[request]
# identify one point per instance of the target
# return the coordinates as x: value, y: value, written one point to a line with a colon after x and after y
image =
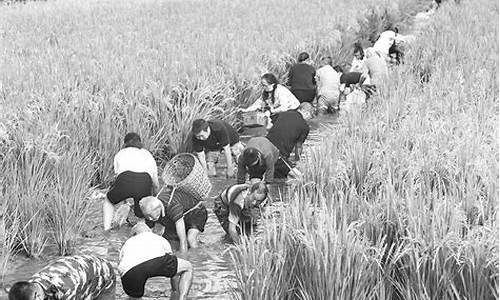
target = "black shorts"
x: 134, y: 280
x: 195, y: 219
x: 304, y: 95
x: 131, y: 185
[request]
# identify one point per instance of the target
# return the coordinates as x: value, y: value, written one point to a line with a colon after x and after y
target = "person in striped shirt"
x: 239, y: 206
x: 85, y: 277
x: 182, y: 215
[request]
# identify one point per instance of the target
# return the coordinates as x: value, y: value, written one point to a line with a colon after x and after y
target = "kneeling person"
x: 210, y: 138
x: 68, y: 278
x: 147, y: 255
x: 182, y: 215
x: 238, y: 207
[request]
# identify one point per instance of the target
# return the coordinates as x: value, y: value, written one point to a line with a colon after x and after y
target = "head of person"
x: 257, y: 193
x: 358, y: 52
x: 338, y: 69
x: 139, y: 228
x: 269, y: 82
x: 390, y: 27
x: 251, y: 157
x: 25, y: 290
x: 200, y: 129
x: 303, y: 56
x: 327, y: 60
x: 151, y: 208
x: 132, y: 139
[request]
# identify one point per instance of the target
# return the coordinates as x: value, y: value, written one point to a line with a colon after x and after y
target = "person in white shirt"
x: 275, y: 98
x: 328, y: 84
x: 376, y: 67
x: 386, y: 40
x: 147, y: 255
x: 136, y: 177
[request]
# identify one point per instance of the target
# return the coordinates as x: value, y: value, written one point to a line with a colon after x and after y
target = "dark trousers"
x: 304, y: 95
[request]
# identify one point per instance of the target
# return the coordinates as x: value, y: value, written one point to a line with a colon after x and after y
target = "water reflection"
x: 213, y: 272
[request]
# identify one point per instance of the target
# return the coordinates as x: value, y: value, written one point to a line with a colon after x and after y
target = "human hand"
x: 230, y: 172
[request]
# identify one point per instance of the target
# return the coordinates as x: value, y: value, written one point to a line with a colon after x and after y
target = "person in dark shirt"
x: 288, y: 133
x: 182, y: 215
x: 210, y: 138
x: 301, y: 79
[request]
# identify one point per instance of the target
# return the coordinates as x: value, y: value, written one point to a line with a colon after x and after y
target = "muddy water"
x: 213, y: 271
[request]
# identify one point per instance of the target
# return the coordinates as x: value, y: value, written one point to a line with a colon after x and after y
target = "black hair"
x: 338, y: 69
x: 250, y: 156
x: 132, y: 139
x: 22, y: 290
x: 303, y: 56
x: 270, y: 79
x: 199, y: 125
x: 261, y: 188
x: 359, y: 49
x: 328, y: 60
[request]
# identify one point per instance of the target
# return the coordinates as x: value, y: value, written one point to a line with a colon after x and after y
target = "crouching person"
x: 147, y: 255
x: 238, y: 208
x: 70, y: 277
x: 136, y: 177
x: 182, y: 215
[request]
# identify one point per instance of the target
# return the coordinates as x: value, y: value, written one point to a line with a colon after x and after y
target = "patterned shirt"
x: 80, y: 277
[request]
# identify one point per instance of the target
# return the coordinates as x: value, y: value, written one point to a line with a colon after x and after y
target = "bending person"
x: 136, y: 177
x: 182, y: 215
x: 212, y: 137
x: 70, y: 277
x: 275, y: 98
x: 146, y: 255
x: 257, y: 160
x: 238, y: 208
x: 289, y: 132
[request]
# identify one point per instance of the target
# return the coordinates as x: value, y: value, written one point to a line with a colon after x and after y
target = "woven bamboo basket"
x: 254, y: 118
x: 184, y: 171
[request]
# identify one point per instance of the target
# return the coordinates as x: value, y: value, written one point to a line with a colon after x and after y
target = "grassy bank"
x: 77, y: 75
x: 402, y: 201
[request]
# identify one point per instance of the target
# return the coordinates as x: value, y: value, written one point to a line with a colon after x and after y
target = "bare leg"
x: 108, y: 211
x: 174, y: 283
x: 192, y: 237
x: 185, y: 279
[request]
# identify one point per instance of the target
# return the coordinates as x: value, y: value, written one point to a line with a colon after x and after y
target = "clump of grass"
x: 69, y: 204
x: 406, y: 187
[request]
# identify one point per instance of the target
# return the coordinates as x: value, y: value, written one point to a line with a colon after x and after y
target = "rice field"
x: 399, y: 203
x: 405, y: 205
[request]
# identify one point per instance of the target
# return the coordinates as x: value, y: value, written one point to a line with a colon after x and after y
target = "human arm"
x: 229, y: 160
x: 242, y: 172
x: 270, y: 159
x: 298, y: 150
x: 202, y: 159
x: 180, y: 228
x: 233, y: 233
x: 259, y: 103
